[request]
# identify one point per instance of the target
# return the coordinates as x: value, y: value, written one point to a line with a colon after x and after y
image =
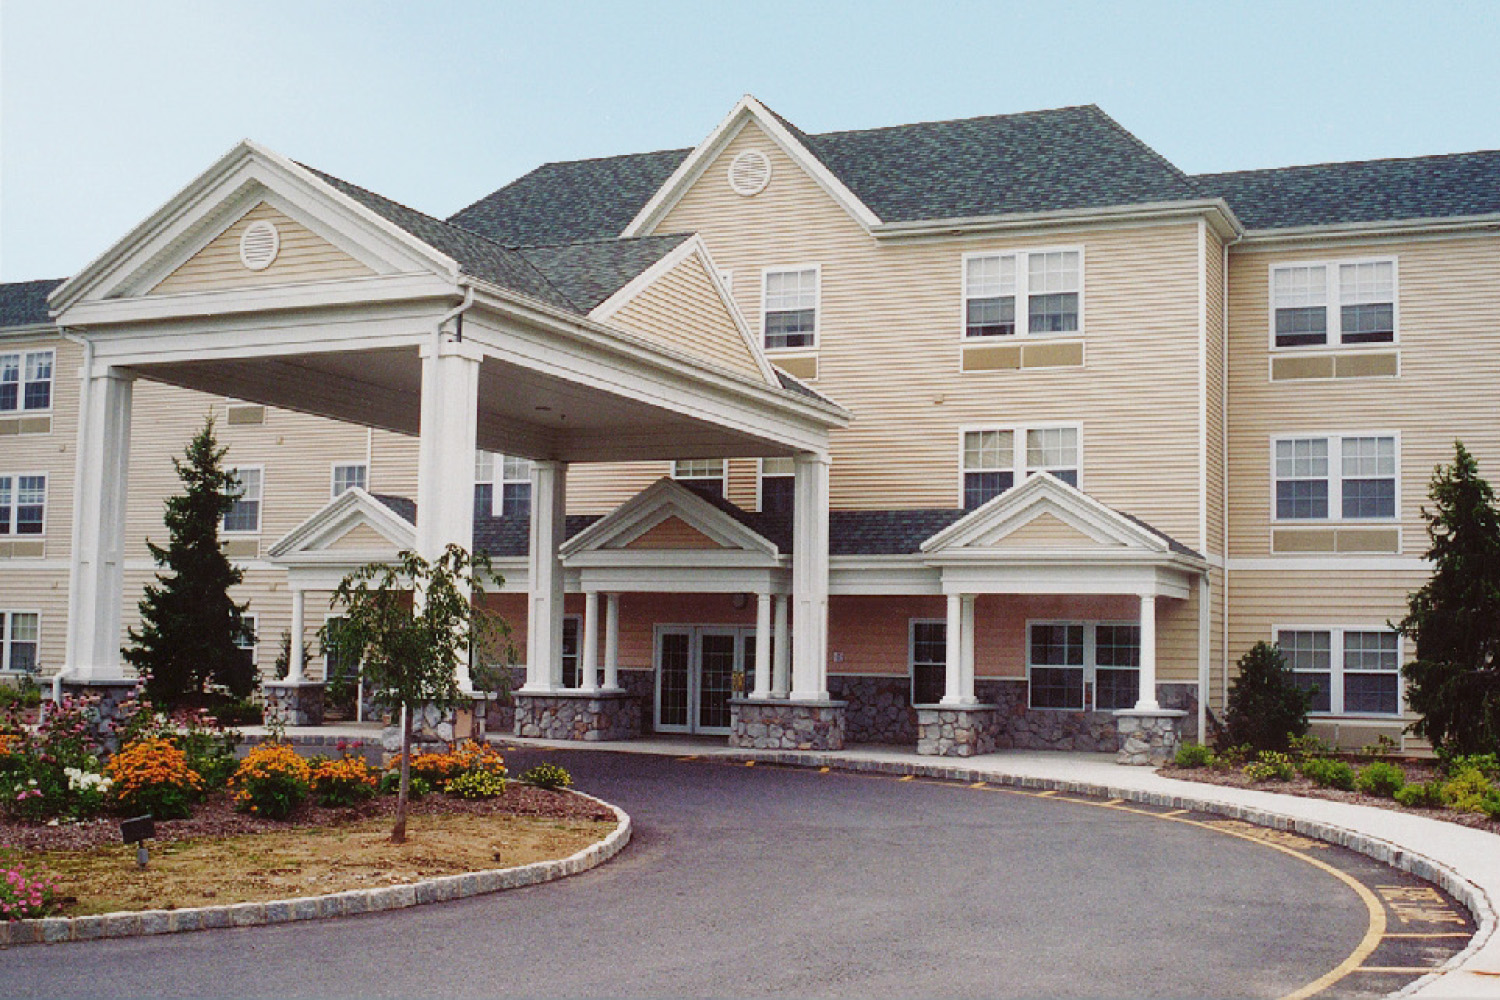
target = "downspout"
x: 83, y: 430
x: 1224, y: 450
x: 455, y: 313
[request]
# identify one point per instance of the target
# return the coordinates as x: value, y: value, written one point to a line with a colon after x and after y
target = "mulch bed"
x: 1416, y: 772
x: 216, y: 817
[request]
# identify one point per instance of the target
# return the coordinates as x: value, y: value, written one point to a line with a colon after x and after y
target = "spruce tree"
x: 1454, y: 620
x: 189, y: 623
x: 1266, y: 706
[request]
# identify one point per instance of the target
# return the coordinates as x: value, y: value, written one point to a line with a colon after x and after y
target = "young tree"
x: 189, y: 624
x: 1266, y: 707
x: 1454, y: 620
x: 411, y: 649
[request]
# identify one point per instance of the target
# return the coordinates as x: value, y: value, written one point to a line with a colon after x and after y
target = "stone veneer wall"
x: 640, y: 683
x: 587, y: 718
x: 292, y: 704
x: 879, y: 709
x: 956, y: 732
x: 1184, y: 698
x: 786, y: 725
x: 1025, y: 728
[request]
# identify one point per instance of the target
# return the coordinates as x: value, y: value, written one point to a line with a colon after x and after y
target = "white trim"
x: 1019, y: 463
x: 21, y: 409
x: 1438, y: 226
x: 1215, y: 210
x: 1202, y: 387
x: 14, y: 507
x: 1333, y: 563
x: 722, y: 478
x: 1334, y: 353
x: 661, y: 500
x: 260, y: 502
x: 817, y: 337
x: 333, y: 475
x: 6, y: 640
x: 1336, y: 667
x: 1335, y: 481
x: 1022, y: 296
x: 911, y: 656
x: 760, y: 477
x: 1333, y: 324
x: 305, y: 543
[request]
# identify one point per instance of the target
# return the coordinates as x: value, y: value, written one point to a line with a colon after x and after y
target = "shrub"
x: 390, y: 784
x: 476, y: 785
x: 1235, y: 756
x: 1329, y: 773
x: 546, y: 775
x: 1380, y: 779
x: 1490, y: 804
x: 153, y: 776
x: 25, y: 893
x: 1310, y: 747
x: 1269, y: 766
x: 1466, y: 790
x: 1194, y: 755
x: 1266, y: 707
x: 24, y: 694
x: 478, y: 756
x: 1486, y: 763
x: 342, y: 782
x: 271, y: 781
x: 1428, y: 795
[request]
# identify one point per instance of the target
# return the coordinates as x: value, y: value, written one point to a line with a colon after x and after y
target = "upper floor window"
x: 26, y: 381
x: 705, y: 475
x: 790, y: 308
x: 244, y: 515
x: 994, y: 458
x: 502, y: 485
x: 23, y: 504
x: 1028, y: 292
x: 1317, y: 305
x: 347, y: 476
x: 1353, y: 475
x: 20, y: 632
x: 778, y: 485
x: 1351, y: 671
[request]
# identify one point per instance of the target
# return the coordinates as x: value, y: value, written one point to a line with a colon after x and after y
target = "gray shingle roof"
x: 1424, y: 187
x: 24, y: 303
x: 590, y: 272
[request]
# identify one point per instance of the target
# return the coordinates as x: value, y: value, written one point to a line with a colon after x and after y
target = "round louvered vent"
x: 750, y: 172
x: 259, y: 245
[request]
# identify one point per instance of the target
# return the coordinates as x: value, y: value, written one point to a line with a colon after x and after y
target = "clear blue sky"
x: 108, y: 108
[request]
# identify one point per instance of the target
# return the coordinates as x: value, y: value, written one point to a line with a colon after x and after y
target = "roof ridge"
x: 598, y: 240
x: 1349, y: 163
x: 953, y: 121
x: 1147, y: 147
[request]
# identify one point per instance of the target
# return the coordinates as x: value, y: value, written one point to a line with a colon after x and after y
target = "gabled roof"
x: 590, y: 272
x: 24, y: 303
x: 349, y: 510
x: 1327, y: 194
x: 665, y: 500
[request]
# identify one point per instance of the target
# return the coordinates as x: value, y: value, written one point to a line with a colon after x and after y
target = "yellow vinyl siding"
x: 682, y: 310
x: 44, y: 591
x: 304, y: 256
x: 600, y: 487
x: 362, y: 538
x: 50, y: 452
x: 1214, y: 389
x: 1046, y: 532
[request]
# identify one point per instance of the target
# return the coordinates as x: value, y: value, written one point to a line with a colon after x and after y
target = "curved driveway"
x: 775, y: 882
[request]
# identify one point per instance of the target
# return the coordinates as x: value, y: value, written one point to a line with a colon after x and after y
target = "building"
x: 1005, y: 417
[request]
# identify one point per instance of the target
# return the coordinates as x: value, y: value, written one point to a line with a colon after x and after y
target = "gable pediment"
x: 354, y: 526
x: 668, y: 516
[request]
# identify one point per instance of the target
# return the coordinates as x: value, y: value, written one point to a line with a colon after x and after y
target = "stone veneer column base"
x: 438, y: 725
x: 293, y: 703
x: 111, y: 692
x: 1148, y: 736
x: 588, y: 716
x: 957, y: 730
x: 780, y: 724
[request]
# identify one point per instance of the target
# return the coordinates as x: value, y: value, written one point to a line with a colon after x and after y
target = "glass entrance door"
x: 698, y: 669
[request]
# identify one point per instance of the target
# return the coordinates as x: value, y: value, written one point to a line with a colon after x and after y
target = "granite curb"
x: 142, y: 923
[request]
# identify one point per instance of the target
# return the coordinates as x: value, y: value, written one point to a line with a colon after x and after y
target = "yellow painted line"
x: 1403, y: 969
x: 1051, y: 792
x: 979, y: 784
x: 691, y: 756
x: 749, y: 763
x: 824, y: 770
x: 1115, y: 802
x: 908, y: 777
x: 1443, y: 934
x: 1176, y: 812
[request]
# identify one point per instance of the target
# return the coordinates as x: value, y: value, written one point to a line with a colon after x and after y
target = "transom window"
x: 993, y: 459
x: 1023, y: 293
x: 512, y: 488
x: 20, y: 632
x: 349, y: 476
x: 1351, y: 302
x: 778, y: 485
x: 26, y: 381
x: 23, y: 504
x: 1077, y: 666
x: 705, y: 475
x: 1351, y: 671
x: 928, y: 653
x: 244, y: 515
x: 790, y: 307
x: 1352, y: 475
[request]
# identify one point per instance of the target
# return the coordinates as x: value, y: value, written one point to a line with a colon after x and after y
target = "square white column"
x: 544, y: 619
x: 96, y: 586
x: 810, y: 578
x: 1147, y: 699
x: 611, y: 642
x: 781, y: 650
x: 966, y: 649
x: 588, y: 669
x: 299, y: 625
x: 762, y: 646
x: 953, y: 647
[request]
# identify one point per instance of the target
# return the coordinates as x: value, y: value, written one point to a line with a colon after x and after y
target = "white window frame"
x: 1336, y: 667
x: 911, y: 655
x: 817, y: 337
x: 1090, y: 665
x: 252, y: 618
x: 722, y: 477
x: 1023, y: 296
x: 333, y: 476
x: 260, y: 511
x: 760, y: 478
x: 1334, y: 305
x: 13, y: 512
x: 6, y: 639
x: 22, y: 409
x: 1335, y: 441
x: 1019, y: 466
x: 504, y: 479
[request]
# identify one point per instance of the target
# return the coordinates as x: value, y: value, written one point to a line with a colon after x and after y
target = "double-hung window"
x: 349, y: 475
x: 249, y: 645
x: 993, y: 459
x: 790, y: 308
x: 23, y: 504
x: 26, y: 381
x: 244, y: 515
x: 1351, y: 671
x: 20, y: 631
x: 1066, y: 661
x: 704, y: 475
x: 778, y: 485
x: 1349, y: 477
x: 928, y: 651
x: 509, y: 495
x: 1023, y: 293
x: 1329, y: 304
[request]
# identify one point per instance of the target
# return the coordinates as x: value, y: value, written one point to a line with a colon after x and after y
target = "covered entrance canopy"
x: 270, y: 282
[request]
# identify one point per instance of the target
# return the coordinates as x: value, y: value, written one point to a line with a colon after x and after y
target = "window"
x: 23, y: 504
x: 572, y: 627
x: 1354, y: 476
x: 993, y: 458
x: 484, y: 484
x: 349, y: 476
x: 703, y: 475
x: 778, y: 485
x: 1025, y: 293
x: 514, y: 485
x: 1315, y: 305
x: 244, y: 516
x: 250, y: 645
x: 790, y: 307
x: 1352, y: 671
x: 929, y: 660
x: 26, y: 381
x: 20, y: 631
x: 1068, y: 660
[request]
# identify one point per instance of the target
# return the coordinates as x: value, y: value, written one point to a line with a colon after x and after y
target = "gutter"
x: 1230, y: 227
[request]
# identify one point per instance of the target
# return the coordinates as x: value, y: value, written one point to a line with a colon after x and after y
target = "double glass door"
x: 698, y: 669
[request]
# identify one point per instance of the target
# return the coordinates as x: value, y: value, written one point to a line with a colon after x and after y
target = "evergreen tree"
x: 189, y: 624
x: 1266, y: 707
x: 1454, y: 620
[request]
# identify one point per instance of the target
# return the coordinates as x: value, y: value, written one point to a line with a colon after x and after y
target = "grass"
x: 304, y: 861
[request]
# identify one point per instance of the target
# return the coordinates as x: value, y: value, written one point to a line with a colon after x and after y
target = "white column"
x: 299, y: 625
x: 762, y: 646
x: 544, y: 619
x: 588, y: 670
x: 1205, y: 652
x: 810, y: 578
x: 611, y: 642
x: 96, y: 586
x: 954, y: 648
x: 966, y: 648
x: 445, y: 455
x: 1147, y: 701
x: 780, y: 666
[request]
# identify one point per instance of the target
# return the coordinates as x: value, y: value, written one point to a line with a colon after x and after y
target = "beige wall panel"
x: 45, y: 592
x: 1449, y: 308
x: 600, y: 487
x: 1046, y: 532
x: 1261, y: 599
x: 393, y: 464
x: 361, y: 537
x: 304, y: 256
x: 682, y: 310
x: 673, y: 533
